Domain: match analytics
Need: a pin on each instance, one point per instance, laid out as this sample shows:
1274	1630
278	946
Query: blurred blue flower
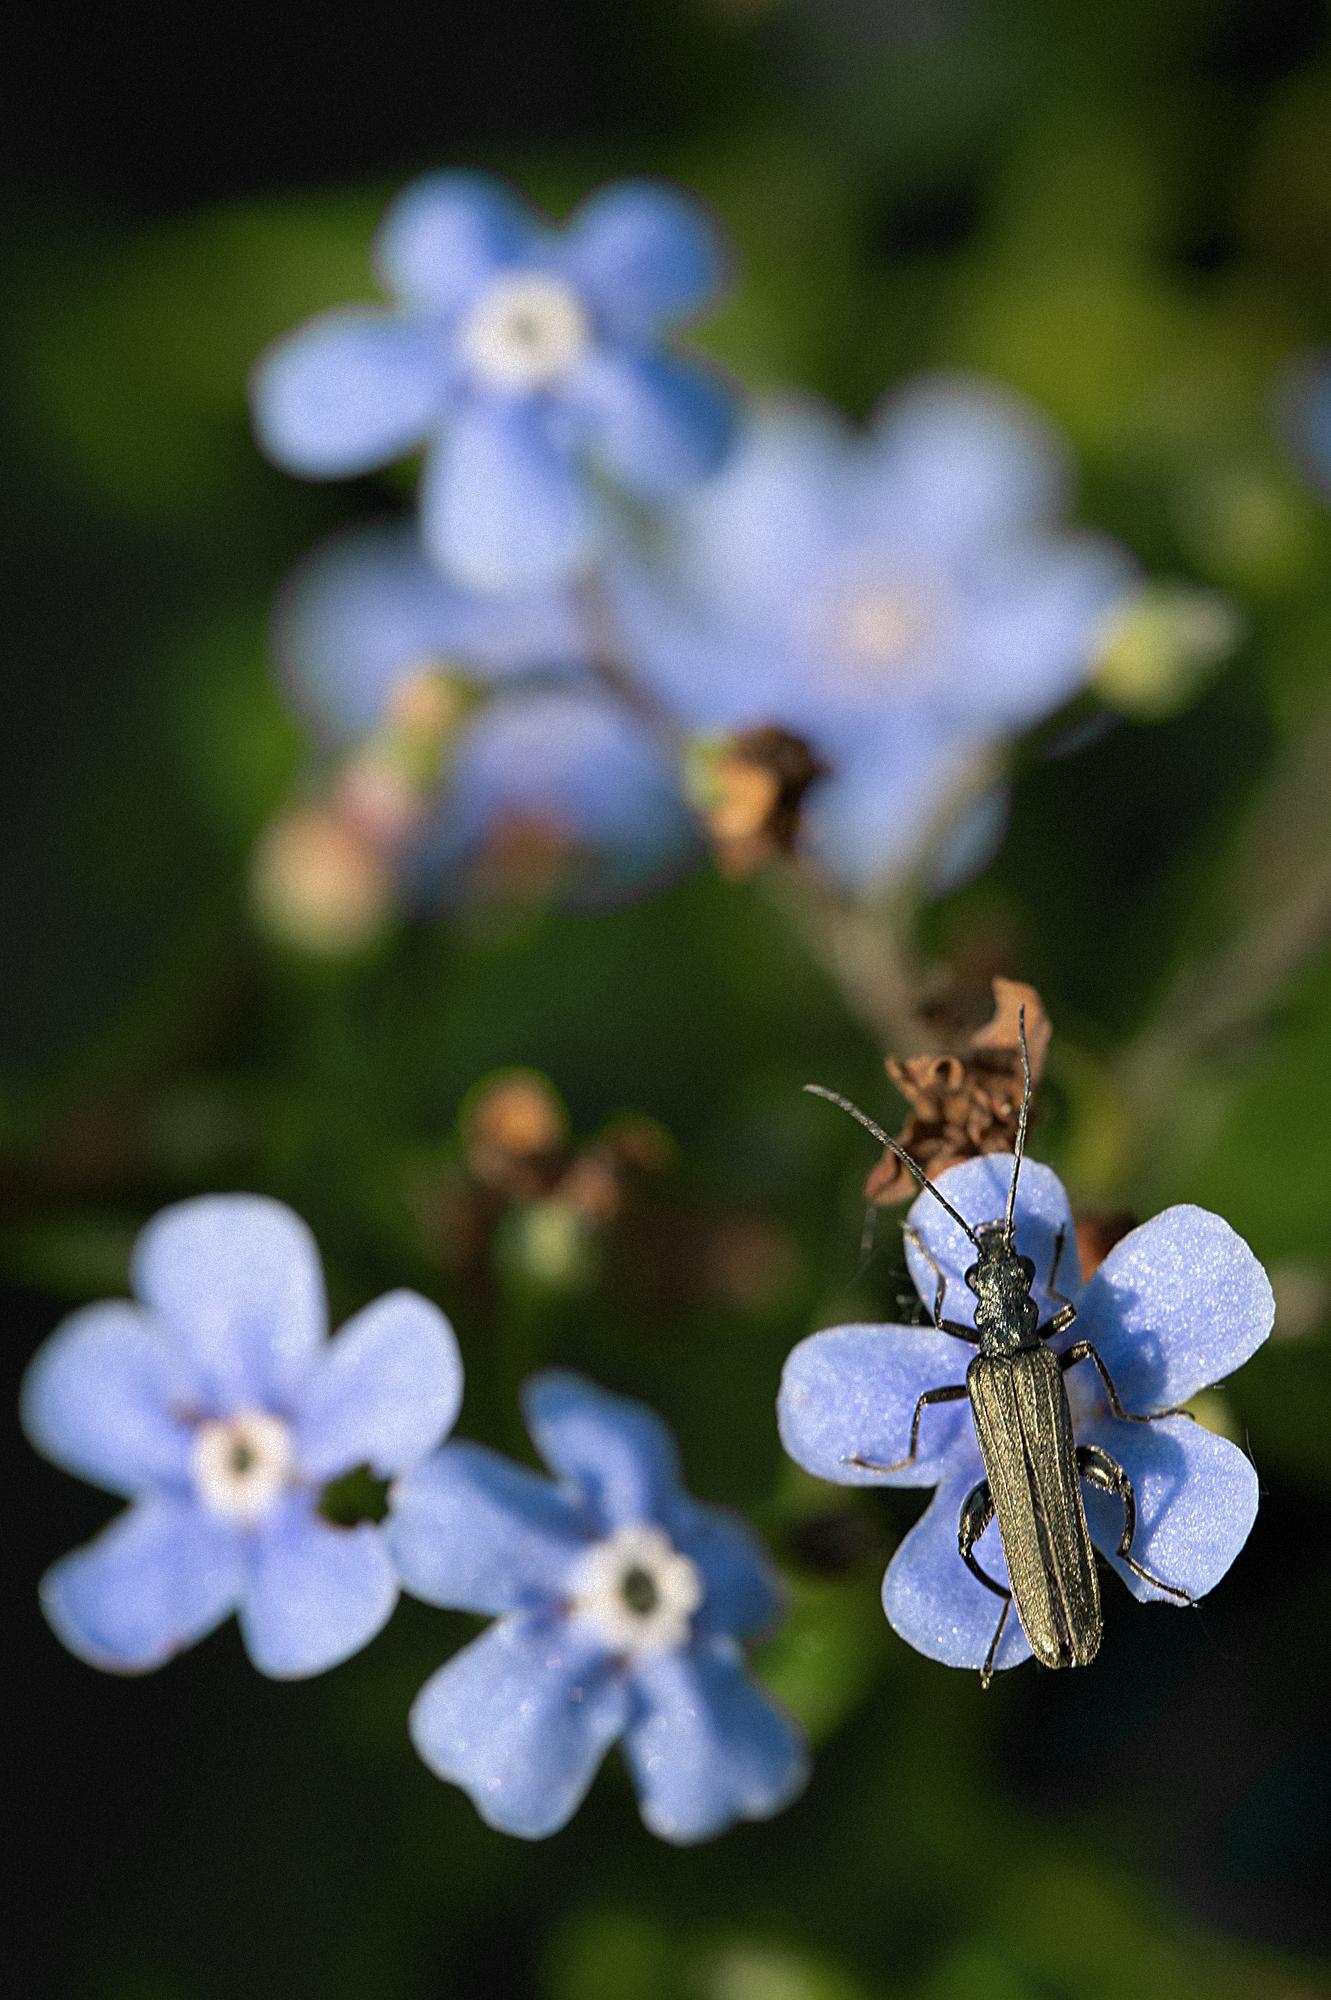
367	614
525	359
620	1605
546	777
1305	413
1175	1306
901	602
219	1408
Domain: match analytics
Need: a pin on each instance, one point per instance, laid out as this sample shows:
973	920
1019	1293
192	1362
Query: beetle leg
1097	1468
1067	1312
977	1511
952	1394
1082	1350
913	1237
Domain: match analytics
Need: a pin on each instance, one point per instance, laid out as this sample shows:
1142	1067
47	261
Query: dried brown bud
964	1104
514	1132
752	791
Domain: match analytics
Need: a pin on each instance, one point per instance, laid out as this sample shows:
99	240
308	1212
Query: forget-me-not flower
544	759
1175	1306
525	359
620	1604
901	601
219	1408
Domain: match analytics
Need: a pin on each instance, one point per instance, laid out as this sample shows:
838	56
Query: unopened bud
320	885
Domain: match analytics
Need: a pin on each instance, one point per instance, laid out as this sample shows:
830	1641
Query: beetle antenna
1009	1220
834	1097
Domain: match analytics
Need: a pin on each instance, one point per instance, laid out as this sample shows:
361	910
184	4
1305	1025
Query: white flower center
242	1464
879	627
527	331
638	1591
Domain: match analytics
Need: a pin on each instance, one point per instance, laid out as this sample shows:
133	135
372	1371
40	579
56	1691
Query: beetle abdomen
1024	1427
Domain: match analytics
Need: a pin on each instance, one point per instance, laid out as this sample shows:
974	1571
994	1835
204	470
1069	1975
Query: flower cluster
645	614
218	1407
1176	1305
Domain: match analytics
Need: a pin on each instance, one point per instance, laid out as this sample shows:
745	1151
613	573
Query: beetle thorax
1006	1316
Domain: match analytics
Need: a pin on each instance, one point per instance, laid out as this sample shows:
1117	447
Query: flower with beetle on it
1178	1304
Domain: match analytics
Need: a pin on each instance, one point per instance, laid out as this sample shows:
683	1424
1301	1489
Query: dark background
1130	218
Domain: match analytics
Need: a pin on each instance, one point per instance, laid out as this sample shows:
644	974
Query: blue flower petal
164	1574
368	610
574	765
521	1719
852	1391
1035	619
1175	1306
877	809
474	1532
344	394
741	1590
101	1398
383	1394
956	461
616	1453
643	253
656	425
710	1746
313	1594
1196	1497
932	1599
978	1190
503	505
447	234
237	1279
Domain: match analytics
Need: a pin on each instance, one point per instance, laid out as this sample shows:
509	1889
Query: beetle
1033	1465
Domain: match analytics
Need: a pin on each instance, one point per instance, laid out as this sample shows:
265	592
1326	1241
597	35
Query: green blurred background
1124	212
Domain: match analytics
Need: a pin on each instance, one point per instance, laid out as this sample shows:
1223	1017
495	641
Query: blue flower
525	360
902	602
1305	415
1175	1306
546	773
220	1410
367	614
620	1604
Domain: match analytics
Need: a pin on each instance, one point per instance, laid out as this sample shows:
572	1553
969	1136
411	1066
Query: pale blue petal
1177	1305
472	1531
710	1746
368	610
750	546
978	1190
852	1391
104	1398
313	1594
742	1593
447	234
164	1574
347	393
656	425
383	1393
521	1719
932	1599
954	461
643	254
574	766
236	1279
871	817
614	1452
504	506
1036	616
1196	1497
